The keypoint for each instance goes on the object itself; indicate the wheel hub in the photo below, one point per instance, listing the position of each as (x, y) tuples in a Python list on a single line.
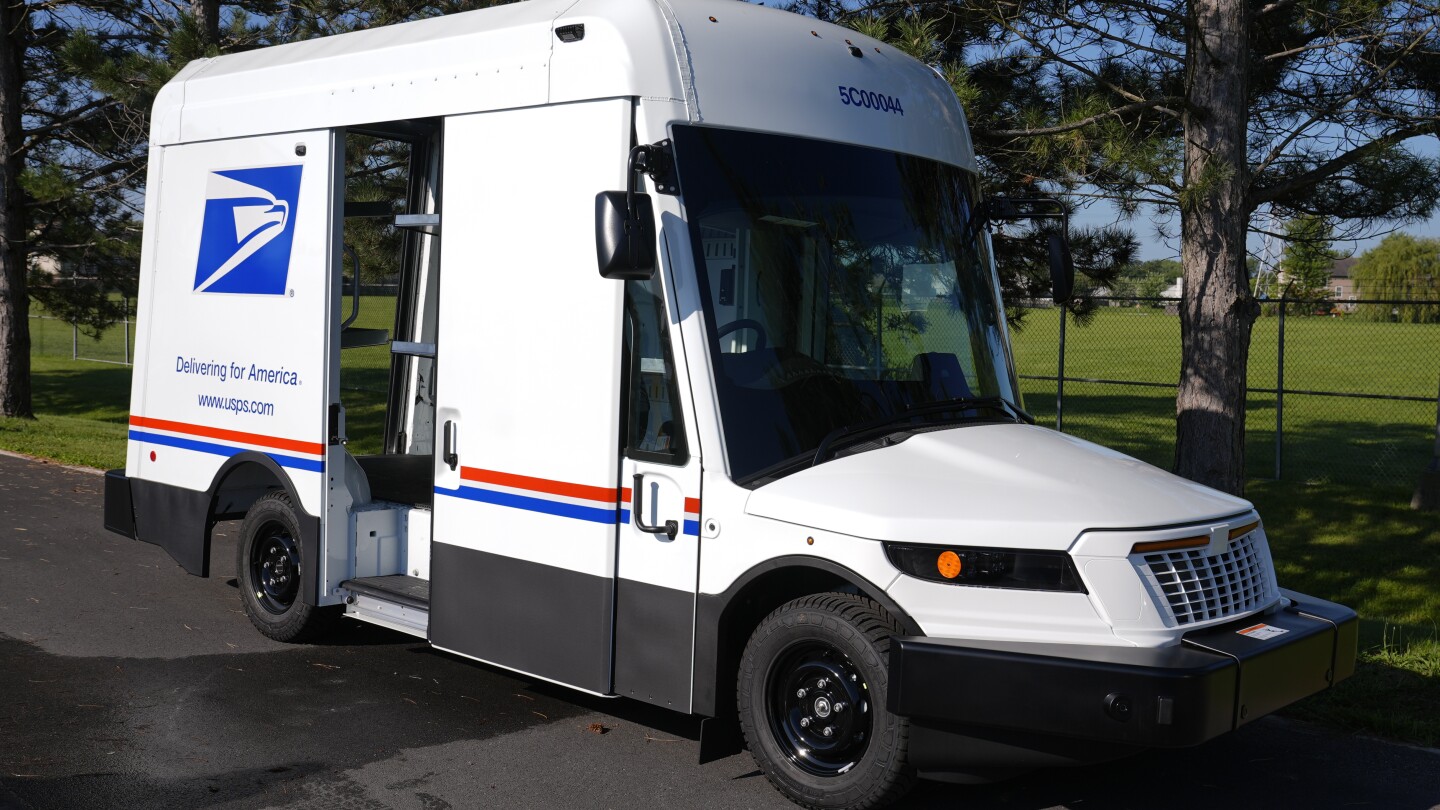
[(274, 569), (819, 709)]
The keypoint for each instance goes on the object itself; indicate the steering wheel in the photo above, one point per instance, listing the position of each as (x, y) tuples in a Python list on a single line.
[(761, 339)]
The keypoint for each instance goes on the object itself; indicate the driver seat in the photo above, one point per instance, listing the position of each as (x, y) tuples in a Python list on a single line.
[(941, 375)]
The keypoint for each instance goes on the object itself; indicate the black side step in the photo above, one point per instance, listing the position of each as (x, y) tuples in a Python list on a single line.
[(412, 592)]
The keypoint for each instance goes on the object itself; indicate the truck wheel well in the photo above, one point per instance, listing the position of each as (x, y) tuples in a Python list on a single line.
[(243, 480), (761, 595)]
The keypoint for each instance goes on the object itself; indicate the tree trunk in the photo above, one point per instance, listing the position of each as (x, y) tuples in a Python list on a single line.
[(207, 16), (1217, 310), (14, 299)]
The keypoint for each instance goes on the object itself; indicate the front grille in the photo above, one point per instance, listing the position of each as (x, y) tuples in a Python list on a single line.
[(1198, 588)]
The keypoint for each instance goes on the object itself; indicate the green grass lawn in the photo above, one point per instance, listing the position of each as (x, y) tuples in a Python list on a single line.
[(1364, 548), (1327, 439), (81, 413), (1332, 537)]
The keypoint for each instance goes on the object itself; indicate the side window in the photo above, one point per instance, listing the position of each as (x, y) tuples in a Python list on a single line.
[(654, 430)]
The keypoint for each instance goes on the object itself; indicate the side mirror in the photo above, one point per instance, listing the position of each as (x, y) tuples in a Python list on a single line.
[(624, 239), (1062, 268)]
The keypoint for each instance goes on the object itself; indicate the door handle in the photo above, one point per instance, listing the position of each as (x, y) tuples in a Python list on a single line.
[(637, 511), (450, 457)]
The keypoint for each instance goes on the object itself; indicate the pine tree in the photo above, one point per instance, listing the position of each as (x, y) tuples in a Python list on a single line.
[(15, 36), (76, 84)]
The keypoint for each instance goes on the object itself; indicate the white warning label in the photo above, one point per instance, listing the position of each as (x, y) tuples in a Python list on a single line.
[(1262, 631)]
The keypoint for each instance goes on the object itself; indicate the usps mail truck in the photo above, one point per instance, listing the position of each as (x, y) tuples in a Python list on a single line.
[(698, 391)]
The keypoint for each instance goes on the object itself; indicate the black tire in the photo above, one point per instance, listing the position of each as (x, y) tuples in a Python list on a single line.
[(269, 567), (835, 647)]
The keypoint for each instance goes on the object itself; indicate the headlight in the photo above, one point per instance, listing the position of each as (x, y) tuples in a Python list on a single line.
[(988, 567)]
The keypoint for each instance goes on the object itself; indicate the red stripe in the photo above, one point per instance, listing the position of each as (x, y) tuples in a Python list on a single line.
[(552, 487), (546, 485), (313, 448)]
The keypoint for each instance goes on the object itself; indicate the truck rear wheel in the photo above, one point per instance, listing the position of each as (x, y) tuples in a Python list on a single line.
[(269, 566), (811, 700)]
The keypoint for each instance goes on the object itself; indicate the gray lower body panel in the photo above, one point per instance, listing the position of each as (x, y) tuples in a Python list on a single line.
[(653, 641), (541, 619), (175, 519)]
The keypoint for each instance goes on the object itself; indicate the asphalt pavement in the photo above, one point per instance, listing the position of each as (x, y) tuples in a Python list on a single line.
[(125, 682)]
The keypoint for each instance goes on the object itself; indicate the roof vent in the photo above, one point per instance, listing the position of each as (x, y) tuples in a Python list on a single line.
[(571, 33)]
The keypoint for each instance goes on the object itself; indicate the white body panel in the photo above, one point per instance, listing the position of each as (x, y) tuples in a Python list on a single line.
[(506, 57), (188, 417), (971, 486), (511, 483)]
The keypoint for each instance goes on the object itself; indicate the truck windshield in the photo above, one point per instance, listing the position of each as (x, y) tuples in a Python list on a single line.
[(842, 285)]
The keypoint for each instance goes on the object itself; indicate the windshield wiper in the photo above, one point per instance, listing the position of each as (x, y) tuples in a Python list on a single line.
[(851, 432)]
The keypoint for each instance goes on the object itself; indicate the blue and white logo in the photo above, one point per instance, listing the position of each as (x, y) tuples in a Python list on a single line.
[(248, 230)]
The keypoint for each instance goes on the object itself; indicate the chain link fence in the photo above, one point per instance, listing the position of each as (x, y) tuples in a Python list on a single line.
[(1344, 392), (1341, 392), (55, 337)]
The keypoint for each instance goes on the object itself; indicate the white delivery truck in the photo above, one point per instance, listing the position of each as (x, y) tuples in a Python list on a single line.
[(768, 464)]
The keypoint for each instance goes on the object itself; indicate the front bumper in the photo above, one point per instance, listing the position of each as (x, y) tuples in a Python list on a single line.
[(1100, 701)]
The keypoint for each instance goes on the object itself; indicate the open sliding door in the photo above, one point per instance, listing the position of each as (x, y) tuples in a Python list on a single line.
[(527, 446)]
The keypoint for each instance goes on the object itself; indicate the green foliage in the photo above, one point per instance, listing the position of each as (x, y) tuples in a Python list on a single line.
[(376, 172), (1306, 261), (90, 75), (1400, 267), (1146, 279)]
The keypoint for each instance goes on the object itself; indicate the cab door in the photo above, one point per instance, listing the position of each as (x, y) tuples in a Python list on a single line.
[(659, 545)]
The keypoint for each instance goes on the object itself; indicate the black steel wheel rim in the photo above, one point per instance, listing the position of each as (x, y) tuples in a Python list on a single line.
[(275, 568), (819, 708)]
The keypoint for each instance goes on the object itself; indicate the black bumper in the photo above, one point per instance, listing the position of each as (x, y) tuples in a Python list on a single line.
[(1117, 698), (119, 505)]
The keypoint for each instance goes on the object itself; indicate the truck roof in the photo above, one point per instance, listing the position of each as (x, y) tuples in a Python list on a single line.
[(720, 62)]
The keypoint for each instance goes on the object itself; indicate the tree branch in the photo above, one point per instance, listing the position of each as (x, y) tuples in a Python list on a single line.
[(66, 120), (1157, 104), (1333, 166), (1382, 74)]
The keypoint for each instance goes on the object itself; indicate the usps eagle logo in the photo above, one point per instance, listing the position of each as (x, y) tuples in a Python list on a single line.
[(248, 230)]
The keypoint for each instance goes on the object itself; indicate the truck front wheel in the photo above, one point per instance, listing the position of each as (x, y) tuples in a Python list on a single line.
[(811, 700), (269, 567)]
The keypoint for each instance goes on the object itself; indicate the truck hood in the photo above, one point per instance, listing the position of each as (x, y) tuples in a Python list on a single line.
[(1009, 486)]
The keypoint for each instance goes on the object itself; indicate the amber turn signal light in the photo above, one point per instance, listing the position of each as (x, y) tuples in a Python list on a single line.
[(948, 563), (1244, 530), (1171, 545)]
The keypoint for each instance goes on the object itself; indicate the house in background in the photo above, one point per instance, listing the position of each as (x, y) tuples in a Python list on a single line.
[(1342, 287)]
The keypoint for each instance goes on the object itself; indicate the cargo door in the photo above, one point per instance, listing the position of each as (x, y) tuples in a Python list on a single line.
[(526, 504)]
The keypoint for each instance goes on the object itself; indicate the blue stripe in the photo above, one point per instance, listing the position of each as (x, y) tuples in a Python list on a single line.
[(568, 510), (310, 464), (692, 528)]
